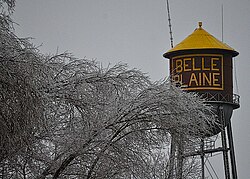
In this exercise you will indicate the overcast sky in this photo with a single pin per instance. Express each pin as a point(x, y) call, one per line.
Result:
point(136, 32)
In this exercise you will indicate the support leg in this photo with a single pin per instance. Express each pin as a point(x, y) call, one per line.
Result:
point(224, 144)
point(202, 160)
point(232, 153)
point(172, 158)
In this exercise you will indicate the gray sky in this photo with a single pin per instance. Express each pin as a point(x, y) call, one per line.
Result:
point(136, 32)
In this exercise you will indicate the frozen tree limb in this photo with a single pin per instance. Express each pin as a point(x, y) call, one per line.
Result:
point(64, 117)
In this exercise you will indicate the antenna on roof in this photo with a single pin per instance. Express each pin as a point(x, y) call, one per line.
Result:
point(169, 24)
point(222, 25)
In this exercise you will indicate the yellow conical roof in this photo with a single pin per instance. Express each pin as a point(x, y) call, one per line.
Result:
point(200, 39)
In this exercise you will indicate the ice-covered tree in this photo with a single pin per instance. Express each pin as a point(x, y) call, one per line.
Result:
point(63, 117)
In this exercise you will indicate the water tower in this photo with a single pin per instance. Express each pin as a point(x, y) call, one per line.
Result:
point(203, 64)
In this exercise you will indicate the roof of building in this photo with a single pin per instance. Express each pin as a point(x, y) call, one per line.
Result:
point(200, 39)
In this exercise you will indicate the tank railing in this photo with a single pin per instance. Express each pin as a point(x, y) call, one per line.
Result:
point(236, 99)
point(231, 98)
